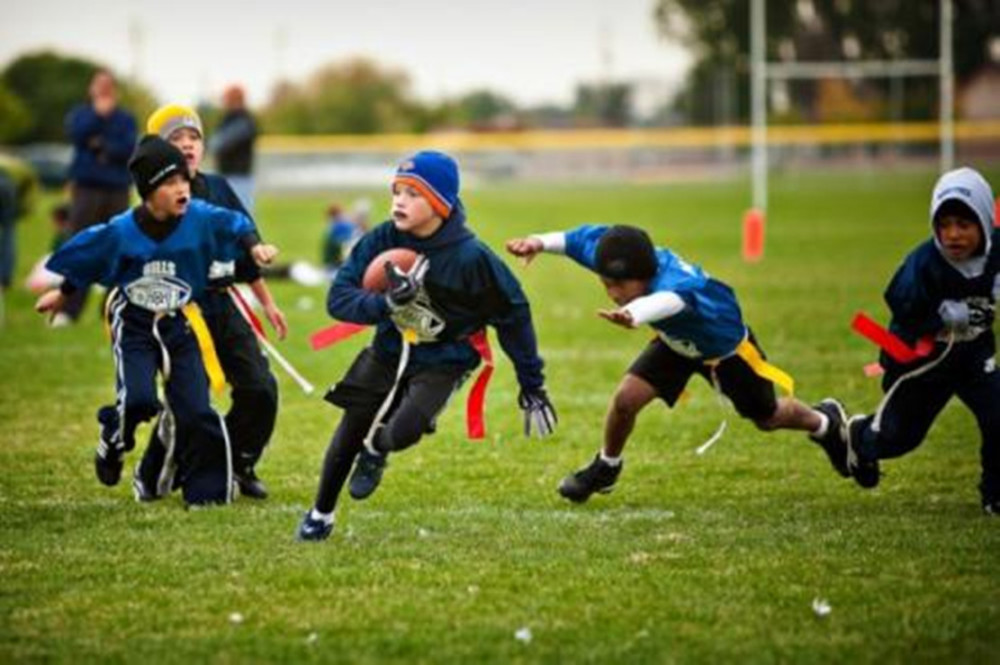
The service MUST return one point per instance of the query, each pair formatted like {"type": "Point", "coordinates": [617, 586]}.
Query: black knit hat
{"type": "Point", "coordinates": [153, 161]}
{"type": "Point", "coordinates": [626, 252]}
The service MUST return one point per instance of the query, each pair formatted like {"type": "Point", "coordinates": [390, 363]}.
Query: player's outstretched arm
{"type": "Point", "coordinates": [619, 317]}
{"type": "Point", "coordinates": [645, 309]}
{"type": "Point", "coordinates": [525, 248]}
{"type": "Point", "coordinates": [271, 310]}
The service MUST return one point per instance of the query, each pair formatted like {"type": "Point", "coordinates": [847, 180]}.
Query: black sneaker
{"type": "Point", "coordinates": [598, 476]}
{"type": "Point", "coordinates": [312, 530]}
{"type": "Point", "coordinates": [991, 507]}
{"type": "Point", "coordinates": [367, 474]}
{"type": "Point", "coordinates": [861, 461]}
{"type": "Point", "coordinates": [108, 461]}
{"type": "Point", "coordinates": [834, 442]}
{"type": "Point", "coordinates": [250, 485]}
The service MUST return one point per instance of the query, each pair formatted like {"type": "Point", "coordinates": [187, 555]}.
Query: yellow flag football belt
{"type": "Point", "coordinates": [213, 368]}
{"type": "Point", "coordinates": [751, 355]}
{"type": "Point", "coordinates": [209, 357]}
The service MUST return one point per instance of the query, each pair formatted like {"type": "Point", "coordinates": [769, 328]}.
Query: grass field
{"type": "Point", "coordinates": [692, 559]}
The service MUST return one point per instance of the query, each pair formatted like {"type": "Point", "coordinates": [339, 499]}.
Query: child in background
{"type": "Point", "coordinates": [342, 233]}
{"type": "Point", "coordinates": [700, 331]}
{"type": "Point", "coordinates": [392, 394]}
{"type": "Point", "coordinates": [156, 258]}
{"type": "Point", "coordinates": [947, 288]}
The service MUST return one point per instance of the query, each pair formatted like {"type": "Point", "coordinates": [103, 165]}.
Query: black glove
{"type": "Point", "coordinates": [539, 414]}
{"type": "Point", "coordinates": [404, 286]}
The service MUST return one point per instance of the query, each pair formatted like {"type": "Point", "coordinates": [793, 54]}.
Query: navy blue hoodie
{"type": "Point", "coordinates": [469, 287]}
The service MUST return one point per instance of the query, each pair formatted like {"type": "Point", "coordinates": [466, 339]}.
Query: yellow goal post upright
{"type": "Point", "coordinates": [762, 71]}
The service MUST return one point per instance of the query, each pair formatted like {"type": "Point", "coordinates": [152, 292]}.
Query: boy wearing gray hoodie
{"type": "Point", "coordinates": [946, 290]}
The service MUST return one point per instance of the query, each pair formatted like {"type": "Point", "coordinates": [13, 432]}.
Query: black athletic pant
{"type": "Point", "coordinates": [254, 395]}
{"type": "Point", "coordinates": [420, 398]}
{"type": "Point", "coordinates": [915, 400]}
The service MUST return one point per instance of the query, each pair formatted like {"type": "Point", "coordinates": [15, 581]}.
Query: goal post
{"type": "Point", "coordinates": [762, 72]}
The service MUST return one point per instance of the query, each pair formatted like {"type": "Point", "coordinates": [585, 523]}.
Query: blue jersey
{"type": "Point", "coordinates": [468, 286]}
{"type": "Point", "coordinates": [709, 326]}
{"type": "Point", "coordinates": [158, 276]}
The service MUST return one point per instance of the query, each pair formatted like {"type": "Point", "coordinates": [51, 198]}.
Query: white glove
{"type": "Point", "coordinates": [954, 314]}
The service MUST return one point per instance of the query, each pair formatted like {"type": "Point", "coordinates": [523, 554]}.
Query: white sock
{"type": "Point", "coordinates": [824, 425]}
{"type": "Point", "coordinates": [611, 461]}
{"type": "Point", "coordinates": [325, 518]}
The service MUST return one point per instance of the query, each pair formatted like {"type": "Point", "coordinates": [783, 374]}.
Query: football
{"type": "Point", "coordinates": [374, 278]}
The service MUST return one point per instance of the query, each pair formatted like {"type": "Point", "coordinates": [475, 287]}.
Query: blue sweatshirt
{"type": "Point", "coordinates": [102, 147]}
{"type": "Point", "coordinates": [468, 286]}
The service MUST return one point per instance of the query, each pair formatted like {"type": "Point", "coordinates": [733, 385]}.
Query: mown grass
{"type": "Point", "coordinates": [692, 559]}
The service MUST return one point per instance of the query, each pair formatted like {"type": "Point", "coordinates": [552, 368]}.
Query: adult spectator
{"type": "Point", "coordinates": [233, 145]}
{"type": "Point", "coordinates": [103, 137]}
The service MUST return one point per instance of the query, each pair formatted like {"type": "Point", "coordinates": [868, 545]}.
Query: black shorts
{"type": "Point", "coordinates": [668, 372]}
{"type": "Point", "coordinates": [369, 380]}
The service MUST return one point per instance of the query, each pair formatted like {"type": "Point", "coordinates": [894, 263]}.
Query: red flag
{"type": "Point", "coordinates": [333, 334]}
{"type": "Point", "coordinates": [899, 350]}
{"type": "Point", "coordinates": [475, 422]}
{"type": "Point", "coordinates": [247, 311]}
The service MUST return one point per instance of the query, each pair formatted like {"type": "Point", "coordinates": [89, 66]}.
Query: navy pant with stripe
{"type": "Point", "coordinates": [203, 456]}
{"type": "Point", "coordinates": [969, 373]}
{"type": "Point", "coordinates": [251, 418]}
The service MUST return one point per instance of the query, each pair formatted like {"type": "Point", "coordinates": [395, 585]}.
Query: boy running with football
{"type": "Point", "coordinates": [421, 353]}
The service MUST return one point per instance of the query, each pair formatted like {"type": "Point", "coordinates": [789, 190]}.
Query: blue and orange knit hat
{"type": "Point", "coordinates": [435, 176]}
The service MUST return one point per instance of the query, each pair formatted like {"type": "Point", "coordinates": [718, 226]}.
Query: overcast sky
{"type": "Point", "coordinates": [187, 50]}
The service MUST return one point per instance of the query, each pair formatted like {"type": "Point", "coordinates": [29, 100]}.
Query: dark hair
{"type": "Point", "coordinates": [626, 252]}
{"type": "Point", "coordinates": [958, 208]}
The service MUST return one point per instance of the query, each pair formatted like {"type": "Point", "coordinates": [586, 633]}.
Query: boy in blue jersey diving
{"type": "Point", "coordinates": [946, 289]}
{"type": "Point", "coordinates": [254, 395]}
{"type": "Point", "coordinates": [156, 260]}
{"type": "Point", "coordinates": [700, 330]}
{"type": "Point", "coordinates": [394, 391]}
